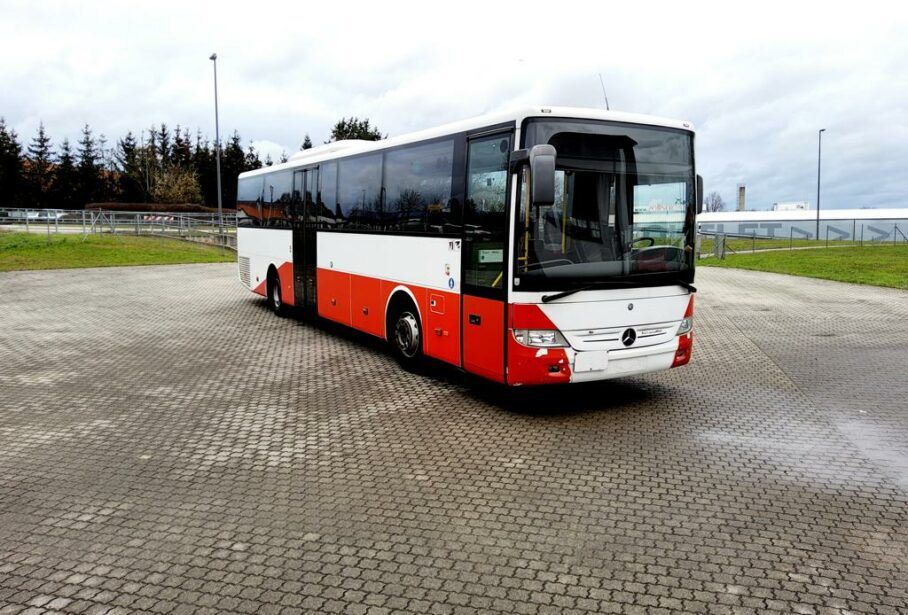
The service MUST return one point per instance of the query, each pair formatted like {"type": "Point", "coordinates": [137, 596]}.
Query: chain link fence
{"type": "Point", "coordinates": [719, 245]}
{"type": "Point", "coordinates": [202, 228]}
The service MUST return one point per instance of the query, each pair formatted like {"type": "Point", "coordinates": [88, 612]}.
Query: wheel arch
{"type": "Point", "coordinates": [400, 294]}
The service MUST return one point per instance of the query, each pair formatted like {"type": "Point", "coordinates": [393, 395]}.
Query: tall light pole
{"type": "Point", "coordinates": [819, 159]}
{"type": "Point", "coordinates": [217, 143]}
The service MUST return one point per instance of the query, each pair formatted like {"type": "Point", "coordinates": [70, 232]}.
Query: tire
{"type": "Point", "coordinates": [275, 298]}
{"type": "Point", "coordinates": [406, 336]}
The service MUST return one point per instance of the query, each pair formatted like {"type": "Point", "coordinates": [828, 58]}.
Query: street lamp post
{"type": "Point", "coordinates": [217, 143]}
{"type": "Point", "coordinates": [819, 159]}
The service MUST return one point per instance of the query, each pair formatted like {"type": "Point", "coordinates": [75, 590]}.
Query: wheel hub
{"type": "Point", "coordinates": [406, 334]}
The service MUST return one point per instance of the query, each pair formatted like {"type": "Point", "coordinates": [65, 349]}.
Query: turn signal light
{"type": "Point", "coordinates": [685, 336]}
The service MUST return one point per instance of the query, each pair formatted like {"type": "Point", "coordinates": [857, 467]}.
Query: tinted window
{"type": "Point", "coordinates": [249, 201]}
{"type": "Point", "coordinates": [359, 191]}
{"type": "Point", "coordinates": [329, 212]}
{"type": "Point", "coordinates": [278, 199]}
{"type": "Point", "coordinates": [418, 187]}
{"type": "Point", "coordinates": [653, 147]}
{"type": "Point", "coordinates": [485, 212]}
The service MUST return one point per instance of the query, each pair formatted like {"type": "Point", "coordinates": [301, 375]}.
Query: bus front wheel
{"type": "Point", "coordinates": [405, 336]}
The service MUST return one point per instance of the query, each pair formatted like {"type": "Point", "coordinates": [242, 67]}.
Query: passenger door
{"type": "Point", "coordinates": [298, 219]}
{"type": "Point", "coordinates": [484, 255]}
{"type": "Point", "coordinates": [305, 217]}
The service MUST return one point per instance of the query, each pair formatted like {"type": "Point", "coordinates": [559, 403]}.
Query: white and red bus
{"type": "Point", "coordinates": [546, 245]}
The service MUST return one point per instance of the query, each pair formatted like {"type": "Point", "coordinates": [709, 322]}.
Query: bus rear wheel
{"type": "Point", "coordinates": [405, 336]}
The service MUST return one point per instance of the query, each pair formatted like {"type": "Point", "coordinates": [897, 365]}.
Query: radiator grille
{"type": "Point", "coordinates": [244, 270]}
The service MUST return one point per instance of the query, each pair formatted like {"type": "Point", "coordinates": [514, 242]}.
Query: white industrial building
{"type": "Point", "coordinates": [869, 224]}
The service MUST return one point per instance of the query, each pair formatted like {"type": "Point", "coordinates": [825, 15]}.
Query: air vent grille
{"type": "Point", "coordinates": [244, 270]}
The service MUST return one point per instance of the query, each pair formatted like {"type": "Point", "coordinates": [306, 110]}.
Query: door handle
{"type": "Point", "coordinates": [475, 319]}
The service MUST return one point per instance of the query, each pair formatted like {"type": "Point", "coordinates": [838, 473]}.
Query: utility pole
{"type": "Point", "coordinates": [819, 160]}
{"type": "Point", "coordinates": [217, 143]}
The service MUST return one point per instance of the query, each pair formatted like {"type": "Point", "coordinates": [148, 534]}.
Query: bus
{"type": "Point", "coordinates": [539, 246]}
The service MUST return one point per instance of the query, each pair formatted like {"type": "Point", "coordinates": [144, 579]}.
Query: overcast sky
{"type": "Point", "coordinates": [758, 81]}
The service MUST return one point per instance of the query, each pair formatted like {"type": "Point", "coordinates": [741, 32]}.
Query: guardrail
{"type": "Point", "coordinates": [194, 227]}
{"type": "Point", "coordinates": [718, 245]}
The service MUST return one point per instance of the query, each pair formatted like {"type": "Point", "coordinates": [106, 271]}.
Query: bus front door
{"type": "Point", "coordinates": [484, 255]}
{"type": "Point", "coordinates": [305, 184]}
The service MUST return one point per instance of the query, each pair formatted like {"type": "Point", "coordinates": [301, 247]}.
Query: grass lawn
{"type": "Point", "coordinates": [877, 265]}
{"type": "Point", "coordinates": [20, 251]}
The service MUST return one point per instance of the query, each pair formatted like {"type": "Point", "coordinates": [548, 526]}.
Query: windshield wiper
{"type": "Point", "coordinates": [686, 285]}
{"type": "Point", "coordinates": [568, 293]}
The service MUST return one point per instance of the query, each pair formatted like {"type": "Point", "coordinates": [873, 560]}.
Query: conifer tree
{"type": "Point", "coordinates": [181, 153]}
{"type": "Point", "coordinates": [355, 128]}
{"type": "Point", "coordinates": [252, 159]}
{"type": "Point", "coordinates": [162, 137]}
{"type": "Point", "coordinates": [233, 162]}
{"type": "Point", "coordinates": [204, 165]}
{"type": "Point", "coordinates": [65, 178]}
{"type": "Point", "coordinates": [10, 166]}
{"type": "Point", "coordinates": [88, 170]}
{"type": "Point", "coordinates": [130, 168]}
{"type": "Point", "coordinates": [307, 143]}
{"type": "Point", "coordinates": [38, 170]}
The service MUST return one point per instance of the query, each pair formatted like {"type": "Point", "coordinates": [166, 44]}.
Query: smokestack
{"type": "Point", "coordinates": [741, 202]}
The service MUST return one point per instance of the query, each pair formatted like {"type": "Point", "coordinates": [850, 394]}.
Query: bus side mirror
{"type": "Point", "coordinates": [699, 194]}
{"type": "Point", "coordinates": [542, 174]}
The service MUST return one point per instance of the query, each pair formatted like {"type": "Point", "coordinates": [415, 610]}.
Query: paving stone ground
{"type": "Point", "coordinates": [169, 446]}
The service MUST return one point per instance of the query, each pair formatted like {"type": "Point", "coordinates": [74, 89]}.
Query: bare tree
{"type": "Point", "coordinates": [175, 185]}
{"type": "Point", "coordinates": [713, 202]}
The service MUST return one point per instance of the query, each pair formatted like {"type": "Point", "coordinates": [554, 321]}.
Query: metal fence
{"type": "Point", "coordinates": [195, 227]}
{"type": "Point", "coordinates": [719, 245]}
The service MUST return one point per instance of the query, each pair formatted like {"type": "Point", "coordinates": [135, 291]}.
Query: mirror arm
{"type": "Point", "coordinates": [518, 158]}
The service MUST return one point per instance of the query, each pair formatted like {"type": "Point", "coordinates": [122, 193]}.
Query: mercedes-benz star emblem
{"type": "Point", "coordinates": [628, 337]}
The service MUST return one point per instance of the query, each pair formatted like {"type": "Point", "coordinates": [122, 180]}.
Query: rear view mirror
{"type": "Point", "coordinates": [542, 174]}
{"type": "Point", "coordinates": [699, 194]}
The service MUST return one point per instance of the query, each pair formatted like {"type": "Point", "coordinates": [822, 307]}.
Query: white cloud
{"type": "Point", "coordinates": [757, 80]}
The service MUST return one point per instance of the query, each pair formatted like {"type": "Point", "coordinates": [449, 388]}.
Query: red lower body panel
{"type": "Point", "coordinates": [483, 337]}
{"type": "Point", "coordinates": [333, 292]}
{"type": "Point", "coordinates": [442, 330]}
{"type": "Point", "coordinates": [367, 312]}
{"type": "Point", "coordinates": [360, 302]}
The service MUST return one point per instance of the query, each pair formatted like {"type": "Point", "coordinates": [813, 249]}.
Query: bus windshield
{"type": "Point", "coordinates": [623, 212]}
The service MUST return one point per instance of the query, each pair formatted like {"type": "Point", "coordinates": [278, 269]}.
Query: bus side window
{"type": "Point", "coordinates": [328, 212]}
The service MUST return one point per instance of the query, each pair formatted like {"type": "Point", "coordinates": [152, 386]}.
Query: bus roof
{"type": "Point", "coordinates": [356, 146]}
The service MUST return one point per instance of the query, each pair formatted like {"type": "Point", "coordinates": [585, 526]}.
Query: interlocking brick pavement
{"type": "Point", "coordinates": [169, 446]}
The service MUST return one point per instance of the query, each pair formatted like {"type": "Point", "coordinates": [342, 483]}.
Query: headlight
{"type": "Point", "coordinates": [540, 338]}
{"type": "Point", "coordinates": [686, 325]}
